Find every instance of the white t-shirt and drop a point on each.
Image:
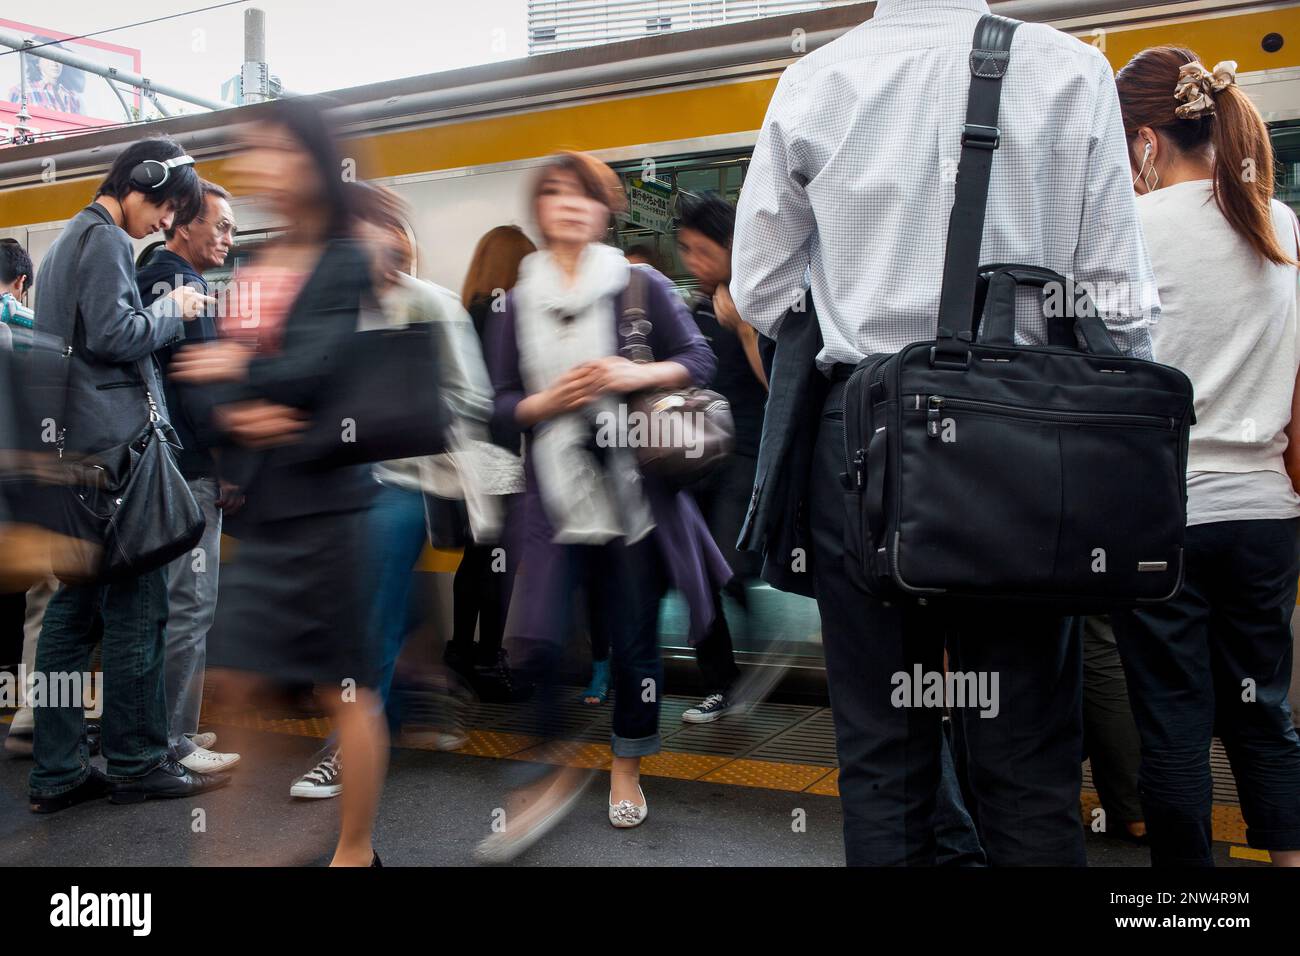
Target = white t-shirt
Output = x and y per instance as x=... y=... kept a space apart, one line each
x=1228 y=320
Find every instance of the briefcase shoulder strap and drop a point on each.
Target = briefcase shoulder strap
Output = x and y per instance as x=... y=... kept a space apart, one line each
x=989 y=58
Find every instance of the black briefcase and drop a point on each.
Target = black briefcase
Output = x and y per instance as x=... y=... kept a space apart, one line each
x=982 y=470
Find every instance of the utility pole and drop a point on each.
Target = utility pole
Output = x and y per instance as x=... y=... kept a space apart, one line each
x=255 y=75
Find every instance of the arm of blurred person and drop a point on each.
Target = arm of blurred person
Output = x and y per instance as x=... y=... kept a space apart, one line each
x=115 y=330
x=466 y=387
x=260 y=424
x=1111 y=255
x=315 y=342
x=729 y=318
x=774 y=219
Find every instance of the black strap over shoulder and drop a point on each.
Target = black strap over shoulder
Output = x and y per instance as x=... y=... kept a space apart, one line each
x=989 y=57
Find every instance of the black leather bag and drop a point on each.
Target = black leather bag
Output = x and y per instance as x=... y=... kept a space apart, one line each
x=978 y=469
x=141 y=511
x=384 y=403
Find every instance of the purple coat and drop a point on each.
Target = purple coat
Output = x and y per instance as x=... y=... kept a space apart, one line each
x=694 y=564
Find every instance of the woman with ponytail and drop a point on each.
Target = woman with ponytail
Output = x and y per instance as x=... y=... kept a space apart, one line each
x=1218 y=656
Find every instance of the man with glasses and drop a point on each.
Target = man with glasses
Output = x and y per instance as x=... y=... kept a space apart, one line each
x=192 y=247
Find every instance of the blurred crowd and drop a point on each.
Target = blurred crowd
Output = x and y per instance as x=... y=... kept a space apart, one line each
x=326 y=416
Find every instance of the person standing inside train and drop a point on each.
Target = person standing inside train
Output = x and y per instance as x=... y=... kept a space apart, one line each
x=1217 y=658
x=590 y=519
x=850 y=181
x=89 y=298
x=192 y=248
x=294 y=601
x=704 y=230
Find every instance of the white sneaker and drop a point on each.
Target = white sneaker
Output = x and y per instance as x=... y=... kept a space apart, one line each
x=208 y=761
x=321 y=781
x=626 y=814
x=204 y=741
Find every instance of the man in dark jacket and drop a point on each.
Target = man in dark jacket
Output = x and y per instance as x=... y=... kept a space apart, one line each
x=201 y=243
x=89 y=299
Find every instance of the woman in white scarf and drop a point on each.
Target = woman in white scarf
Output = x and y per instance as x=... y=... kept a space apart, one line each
x=590 y=520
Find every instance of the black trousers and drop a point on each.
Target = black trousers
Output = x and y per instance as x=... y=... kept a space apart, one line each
x=1022 y=766
x=1218 y=658
x=1110 y=735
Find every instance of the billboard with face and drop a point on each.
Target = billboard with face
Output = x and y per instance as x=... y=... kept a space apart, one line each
x=61 y=97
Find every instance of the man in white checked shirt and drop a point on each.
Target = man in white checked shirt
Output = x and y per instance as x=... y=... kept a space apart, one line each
x=852 y=181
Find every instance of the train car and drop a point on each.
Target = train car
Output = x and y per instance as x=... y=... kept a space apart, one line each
x=672 y=113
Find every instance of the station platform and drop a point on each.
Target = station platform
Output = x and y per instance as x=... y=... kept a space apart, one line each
x=725 y=793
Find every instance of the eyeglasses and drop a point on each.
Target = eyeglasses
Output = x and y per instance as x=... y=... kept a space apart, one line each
x=223 y=227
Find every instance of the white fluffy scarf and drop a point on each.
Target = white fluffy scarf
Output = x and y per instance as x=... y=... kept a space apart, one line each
x=558 y=327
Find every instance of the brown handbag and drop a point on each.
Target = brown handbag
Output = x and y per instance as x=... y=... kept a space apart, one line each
x=696 y=422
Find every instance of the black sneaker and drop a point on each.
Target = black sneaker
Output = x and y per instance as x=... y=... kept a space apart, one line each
x=95 y=786
x=166 y=781
x=321 y=781
x=713 y=707
x=495 y=684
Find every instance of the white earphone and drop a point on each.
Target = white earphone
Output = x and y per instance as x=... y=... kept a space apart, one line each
x=1146 y=154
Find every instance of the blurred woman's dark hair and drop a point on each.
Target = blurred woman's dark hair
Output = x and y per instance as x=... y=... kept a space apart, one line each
x=69 y=77
x=495 y=263
x=183 y=189
x=305 y=119
x=14 y=262
x=1232 y=133
x=710 y=215
x=383 y=208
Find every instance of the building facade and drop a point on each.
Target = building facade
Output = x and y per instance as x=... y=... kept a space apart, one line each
x=568 y=24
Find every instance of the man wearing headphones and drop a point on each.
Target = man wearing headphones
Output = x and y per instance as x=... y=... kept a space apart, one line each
x=89 y=298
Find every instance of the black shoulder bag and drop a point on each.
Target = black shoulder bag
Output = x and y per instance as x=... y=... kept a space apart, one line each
x=982 y=470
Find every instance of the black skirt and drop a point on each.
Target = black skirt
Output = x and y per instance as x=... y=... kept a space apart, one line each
x=293 y=605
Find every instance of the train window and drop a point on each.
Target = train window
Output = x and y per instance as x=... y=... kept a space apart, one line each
x=1286 y=148
x=647 y=226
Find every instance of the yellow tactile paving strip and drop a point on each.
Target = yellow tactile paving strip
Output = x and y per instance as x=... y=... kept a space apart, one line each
x=1229 y=827
x=767 y=774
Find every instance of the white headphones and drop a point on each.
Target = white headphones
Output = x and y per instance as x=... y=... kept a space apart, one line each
x=1146 y=154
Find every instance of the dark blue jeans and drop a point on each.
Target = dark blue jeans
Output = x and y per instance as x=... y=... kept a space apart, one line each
x=134 y=616
x=623 y=586
x=1218 y=657
x=396 y=531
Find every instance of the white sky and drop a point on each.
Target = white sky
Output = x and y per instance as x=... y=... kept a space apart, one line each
x=312 y=45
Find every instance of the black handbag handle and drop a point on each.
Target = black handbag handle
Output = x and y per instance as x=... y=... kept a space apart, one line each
x=1079 y=313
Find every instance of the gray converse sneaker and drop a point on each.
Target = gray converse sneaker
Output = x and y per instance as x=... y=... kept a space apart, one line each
x=321 y=781
x=713 y=707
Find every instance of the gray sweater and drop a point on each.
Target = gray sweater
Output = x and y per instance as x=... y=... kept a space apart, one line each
x=115 y=339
